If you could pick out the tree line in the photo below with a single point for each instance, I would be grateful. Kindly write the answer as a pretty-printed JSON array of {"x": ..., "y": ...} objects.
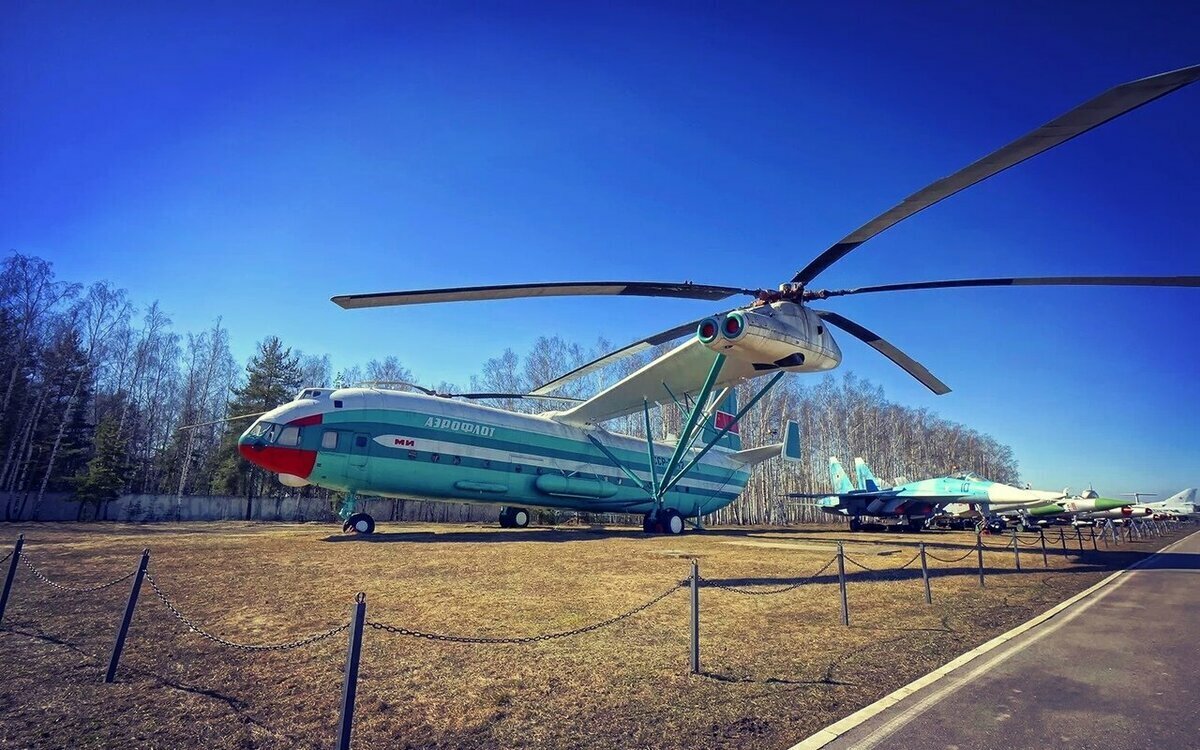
[{"x": 94, "y": 392}]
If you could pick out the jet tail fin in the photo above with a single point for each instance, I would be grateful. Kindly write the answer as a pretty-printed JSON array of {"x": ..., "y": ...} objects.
[
  {"x": 838, "y": 477},
  {"x": 866, "y": 479}
]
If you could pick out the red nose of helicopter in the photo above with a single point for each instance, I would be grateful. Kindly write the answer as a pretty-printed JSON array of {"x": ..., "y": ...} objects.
[{"x": 278, "y": 447}]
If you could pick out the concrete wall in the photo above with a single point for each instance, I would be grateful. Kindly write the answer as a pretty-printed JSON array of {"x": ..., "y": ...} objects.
[{"x": 150, "y": 508}]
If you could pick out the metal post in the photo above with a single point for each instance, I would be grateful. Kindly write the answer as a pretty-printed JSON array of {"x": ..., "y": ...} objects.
[
  {"x": 695, "y": 617},
  {"x": 1104, "y": 536},
  {"x": 1079, "y": 538},
  {"x": 979, "y": 552},
  {"x": 358, "y": 617},
  {"x": 925, "y": 575},
  {"x": 12, "y": 571},
  {"x": 119, "y": 644},
  {"x": 1062, "y": 538},
  {"x": 1016, "y": 550},
  {"x": 841, "y": 557},
  {"x": 1092, "y": 534},
  {"x": 1045, "y": 560}
]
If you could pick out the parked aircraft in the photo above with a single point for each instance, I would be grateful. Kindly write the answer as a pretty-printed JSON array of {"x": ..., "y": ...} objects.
[
  {"x": 401, "y": 444},
  {"x": 1180, "y": 505},
  {"x": 913, "y": 503}
]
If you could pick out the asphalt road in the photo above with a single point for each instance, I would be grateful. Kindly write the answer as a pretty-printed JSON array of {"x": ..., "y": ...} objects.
[{"x": 1118, "y": 669}]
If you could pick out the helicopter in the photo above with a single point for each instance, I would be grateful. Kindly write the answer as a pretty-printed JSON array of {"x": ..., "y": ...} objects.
[{"x": 398, "y": 444}]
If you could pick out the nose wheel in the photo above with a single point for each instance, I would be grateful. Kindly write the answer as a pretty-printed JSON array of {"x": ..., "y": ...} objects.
[{"x": 359, "y": 523}]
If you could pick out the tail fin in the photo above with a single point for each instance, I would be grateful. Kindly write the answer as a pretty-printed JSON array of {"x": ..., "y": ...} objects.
[
  {"x": 722, "y": 417},
  {"x": 866, "y": 480},
  {"x": 838, "y": 478},
  {"x": 1185, "y": 499}
]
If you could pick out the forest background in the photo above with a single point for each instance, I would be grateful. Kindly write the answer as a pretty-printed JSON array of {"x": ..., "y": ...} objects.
[{"x": 94, "y": 389}]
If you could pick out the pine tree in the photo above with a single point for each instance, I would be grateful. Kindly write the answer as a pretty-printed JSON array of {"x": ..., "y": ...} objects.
[
  {"x": 108, "y": 470},
  {"x": 273, "y": 376}
]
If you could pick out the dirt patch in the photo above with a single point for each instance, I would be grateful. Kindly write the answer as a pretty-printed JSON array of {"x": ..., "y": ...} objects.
[{"x": 775, "y": 668}]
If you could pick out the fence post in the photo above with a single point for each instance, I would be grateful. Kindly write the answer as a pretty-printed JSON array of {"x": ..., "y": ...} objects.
[
  {"x": 12, "y": 571},
  {"x": 119, "y": 643},
  {"x": 841, "y": 558},
  {"x": 1092, "y": 534},
  {"x": 1045, "y": 560},
  {"x": 358, "y": 617},
  {"x": 1062, "y": 538},
  {"x": 925, "y": 575},
  {"x": 1103, "y": 535},
  {"x": 1079, "y": 538},
  {"x": 1016, "y": 551},
  {"x": 695, "y": 617},
  {"x": 979, "y": 552}
]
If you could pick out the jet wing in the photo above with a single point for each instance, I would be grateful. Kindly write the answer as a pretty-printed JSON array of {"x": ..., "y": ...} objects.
[{"x": 681, "y": 372}]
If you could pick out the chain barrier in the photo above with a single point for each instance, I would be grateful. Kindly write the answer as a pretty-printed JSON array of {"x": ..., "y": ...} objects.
[
  {"x": 2, "y": 559},
  {"x": 885, "y": 571},
  {"x": 1035, "y": 541},
  {"x": 399, "y": 630},
  {"x": 750, "y": 592},
  {"x": 241, "y": 646},
  {"x": 967, "y": 554},
  {"x": 71, "y": 589}
]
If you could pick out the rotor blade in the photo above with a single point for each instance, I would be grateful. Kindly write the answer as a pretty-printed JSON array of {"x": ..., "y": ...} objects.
[
  {"x": 1092, "y": 113},
  {"x": 532, "y": 396},
  {"x": 873, "y": 340},
  {"x": 181, "y": 428},
  {"x": 626, "y": 351},
  {"x": 1175, "y": 281},
  {"x": 686, "y": 290}
]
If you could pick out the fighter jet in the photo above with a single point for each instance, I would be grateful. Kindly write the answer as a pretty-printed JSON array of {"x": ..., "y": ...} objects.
[{"x": 911, "y": 504}]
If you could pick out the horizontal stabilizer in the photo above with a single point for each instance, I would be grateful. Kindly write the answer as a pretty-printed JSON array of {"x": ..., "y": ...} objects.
[{"x": 754, "y": 456}]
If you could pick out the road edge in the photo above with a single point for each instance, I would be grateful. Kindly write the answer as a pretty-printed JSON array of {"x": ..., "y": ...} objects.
[{"x": 823, "y": 737}]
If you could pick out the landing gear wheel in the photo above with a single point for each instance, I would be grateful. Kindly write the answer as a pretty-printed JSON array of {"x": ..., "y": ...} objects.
[
  {"x": 855, "y": 524},
  {"x": 519, "y": 518},
  {"x": 360, "y": 523},
  {"x": 648, "y": 523},
  {"x": 506, "y": 518},
  {"x": 672, "y": 522}
]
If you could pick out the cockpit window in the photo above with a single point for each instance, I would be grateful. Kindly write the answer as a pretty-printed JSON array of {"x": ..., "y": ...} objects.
[
  {"x": 970, "y": 476},
  {"x": 289, "y": 436},
  {"x": 259, "y": 429}
]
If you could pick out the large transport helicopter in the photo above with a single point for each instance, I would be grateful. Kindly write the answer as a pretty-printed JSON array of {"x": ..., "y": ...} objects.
[{"x": 390, "y": 443}]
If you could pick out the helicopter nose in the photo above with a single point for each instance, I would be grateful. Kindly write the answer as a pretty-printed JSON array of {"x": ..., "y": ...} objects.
[{"x": 278, "y": 459}]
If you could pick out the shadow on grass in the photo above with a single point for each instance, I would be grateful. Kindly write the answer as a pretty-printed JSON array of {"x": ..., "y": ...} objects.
[
  {"x": 548, "y": 534},
  {"x": 772, "y": 680}
]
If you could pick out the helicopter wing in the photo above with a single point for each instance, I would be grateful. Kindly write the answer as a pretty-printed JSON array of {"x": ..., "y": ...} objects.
[{"x": 678, "y": 373}]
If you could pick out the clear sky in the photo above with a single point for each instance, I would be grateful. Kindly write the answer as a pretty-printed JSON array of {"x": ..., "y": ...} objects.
[{"x": 249, "y": 160}]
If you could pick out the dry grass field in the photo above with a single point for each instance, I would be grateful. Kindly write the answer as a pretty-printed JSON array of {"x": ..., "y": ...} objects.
[{"x": 775, "y": 668}]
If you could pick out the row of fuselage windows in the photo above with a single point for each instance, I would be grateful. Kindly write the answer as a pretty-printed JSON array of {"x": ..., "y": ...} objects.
[{"x": 290, "y": 437}]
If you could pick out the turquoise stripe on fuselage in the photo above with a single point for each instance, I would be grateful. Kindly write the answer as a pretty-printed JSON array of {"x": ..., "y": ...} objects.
[{"x": 425, "y": 453}]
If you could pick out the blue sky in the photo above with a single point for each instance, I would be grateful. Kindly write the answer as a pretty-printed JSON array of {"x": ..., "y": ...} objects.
[{"x": 250, "y": 160}]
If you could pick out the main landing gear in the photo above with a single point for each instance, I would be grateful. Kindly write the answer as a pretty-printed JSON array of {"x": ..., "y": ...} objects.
[
  {"x": 663, "y": 521},
  {"x": 514, "y": 518}
]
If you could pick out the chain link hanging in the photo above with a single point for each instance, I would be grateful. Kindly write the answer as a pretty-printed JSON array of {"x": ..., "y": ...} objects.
[
  {"x": 71, "y": 589},
  {"x": 241, "y": 646},
  {"x": 967, "y": 554},
  {"x": 399, "y": 630},
  {"x": 708, "y": 583}
]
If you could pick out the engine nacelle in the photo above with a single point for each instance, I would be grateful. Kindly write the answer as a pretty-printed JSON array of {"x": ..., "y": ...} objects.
[{"x": 782, "y": 335}]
